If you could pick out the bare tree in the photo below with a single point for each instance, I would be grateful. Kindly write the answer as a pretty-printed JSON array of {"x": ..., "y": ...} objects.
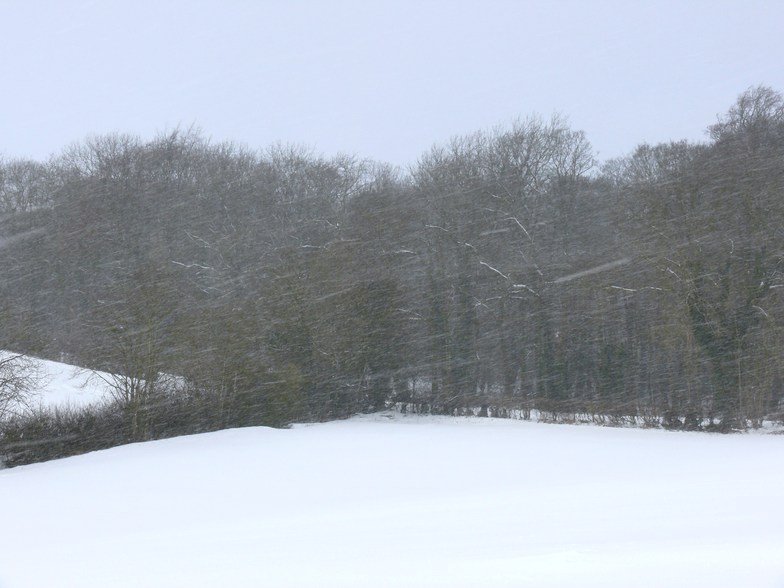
[
  {"x": 18, "y": 377},
  {"x": 759, "y": 110},
  {"x": 131, "y": 335},
  {"x": 25, "y": 185}
]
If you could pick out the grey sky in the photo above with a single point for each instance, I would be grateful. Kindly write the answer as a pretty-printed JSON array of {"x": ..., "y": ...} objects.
[{"x": 383, "y": 79}]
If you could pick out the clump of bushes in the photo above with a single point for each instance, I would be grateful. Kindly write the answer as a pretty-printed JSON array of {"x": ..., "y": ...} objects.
[
  {"x": 46, "y": 433},
  {"x": 50, "y": 433}
]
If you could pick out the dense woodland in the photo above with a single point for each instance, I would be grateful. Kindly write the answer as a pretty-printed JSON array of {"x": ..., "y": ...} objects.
[{"x": 507, "y": 269}]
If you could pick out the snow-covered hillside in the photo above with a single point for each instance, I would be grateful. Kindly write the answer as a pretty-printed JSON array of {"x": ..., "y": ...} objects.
[
  {"x": 57, "y": 384},
  {"x": 61, "y": 384},
  {"x": 390, "y": 501}
]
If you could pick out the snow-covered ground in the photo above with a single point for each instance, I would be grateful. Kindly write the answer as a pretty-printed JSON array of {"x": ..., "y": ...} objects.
[
  {"x": 60, "y": 384},
  {"x": 403, "y": 501},
  {"x": 68, "y": 385}
]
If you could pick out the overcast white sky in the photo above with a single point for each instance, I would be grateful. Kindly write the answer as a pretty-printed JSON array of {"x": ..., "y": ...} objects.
[{"x": 383, "y": 79}]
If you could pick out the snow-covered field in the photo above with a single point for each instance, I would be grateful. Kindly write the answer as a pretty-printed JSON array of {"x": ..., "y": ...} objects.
[{"x": 394, "y": 501}]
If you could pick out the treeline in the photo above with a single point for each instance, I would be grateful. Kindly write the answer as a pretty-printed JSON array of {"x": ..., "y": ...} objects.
[{"x": 505, "y": 269}]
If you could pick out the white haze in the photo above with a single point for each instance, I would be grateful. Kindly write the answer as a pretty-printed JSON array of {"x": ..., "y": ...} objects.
[{"x": 382, "y": 79}]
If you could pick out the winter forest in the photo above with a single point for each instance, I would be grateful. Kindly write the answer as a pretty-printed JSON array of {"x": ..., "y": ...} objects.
[{"x": 508, "y": 272}]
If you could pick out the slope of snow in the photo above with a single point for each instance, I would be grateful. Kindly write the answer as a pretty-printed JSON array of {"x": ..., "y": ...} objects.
[
  {"x": 403, "y": 501},
  {"x": 68, "y": 385},
  {"x": 62, "y": 385}
]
